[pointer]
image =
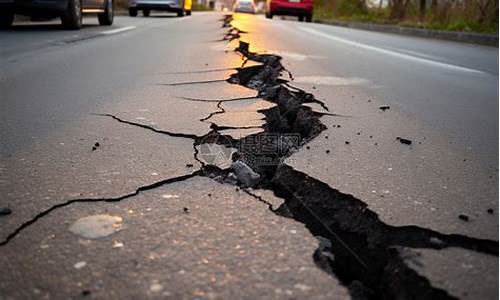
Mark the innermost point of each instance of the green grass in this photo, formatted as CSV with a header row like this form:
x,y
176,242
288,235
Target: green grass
x,y
199,7
349,11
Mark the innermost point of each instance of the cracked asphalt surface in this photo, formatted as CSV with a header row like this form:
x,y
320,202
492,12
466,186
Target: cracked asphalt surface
x,y
126,125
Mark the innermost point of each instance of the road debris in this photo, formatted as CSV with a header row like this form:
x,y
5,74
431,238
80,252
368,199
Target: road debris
x,y
404,141
245,174
463,217
96,145
5,211
384,107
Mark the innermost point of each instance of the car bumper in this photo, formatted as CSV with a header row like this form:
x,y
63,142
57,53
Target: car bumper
x,y
156,5
245,10
34,6
291,8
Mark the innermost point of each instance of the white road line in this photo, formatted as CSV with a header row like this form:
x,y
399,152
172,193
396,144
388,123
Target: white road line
x,y
391,52
117,30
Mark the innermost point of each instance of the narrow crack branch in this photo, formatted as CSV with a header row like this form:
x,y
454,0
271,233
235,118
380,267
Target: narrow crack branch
x,y
150,128
94,200
236,127
195,155
204,71
193,82
331,115
220,111
219,100
211,137
259,198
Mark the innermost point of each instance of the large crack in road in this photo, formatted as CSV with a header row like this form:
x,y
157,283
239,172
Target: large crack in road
x,y
355,246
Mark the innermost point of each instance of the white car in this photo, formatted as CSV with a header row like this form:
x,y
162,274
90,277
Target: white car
x,y
244,6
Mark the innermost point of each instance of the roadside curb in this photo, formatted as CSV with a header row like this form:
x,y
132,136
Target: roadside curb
x,y
464,37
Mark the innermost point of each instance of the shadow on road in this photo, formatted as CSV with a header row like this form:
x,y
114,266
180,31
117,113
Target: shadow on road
x,y
163,16
40,27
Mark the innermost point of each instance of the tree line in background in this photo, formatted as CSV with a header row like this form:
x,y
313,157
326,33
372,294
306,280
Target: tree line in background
x,y
461,15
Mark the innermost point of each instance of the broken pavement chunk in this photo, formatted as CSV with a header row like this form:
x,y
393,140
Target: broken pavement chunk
x,y
403,140
245,174
231,178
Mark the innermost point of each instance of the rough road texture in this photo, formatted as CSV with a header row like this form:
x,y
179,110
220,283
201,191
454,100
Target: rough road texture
x,y
368,256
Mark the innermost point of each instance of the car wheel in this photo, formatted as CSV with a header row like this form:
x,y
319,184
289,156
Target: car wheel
x,y
180,13
106,18
301,18
72,17
269,15
188,12
132,12
146,12
6,19
309,18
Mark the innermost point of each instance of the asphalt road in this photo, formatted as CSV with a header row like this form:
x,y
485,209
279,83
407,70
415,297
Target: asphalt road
x,y
168,230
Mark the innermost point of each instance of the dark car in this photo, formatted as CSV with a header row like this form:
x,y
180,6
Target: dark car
x,y
300,8
70,11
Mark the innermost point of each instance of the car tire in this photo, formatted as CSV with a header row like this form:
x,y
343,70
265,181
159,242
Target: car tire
x,y
269,15
180,13
132,12
72,17
309,18
301,18
6,19
146,12
188,12
106,18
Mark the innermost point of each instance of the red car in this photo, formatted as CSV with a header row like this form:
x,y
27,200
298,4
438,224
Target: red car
x,y
300,8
